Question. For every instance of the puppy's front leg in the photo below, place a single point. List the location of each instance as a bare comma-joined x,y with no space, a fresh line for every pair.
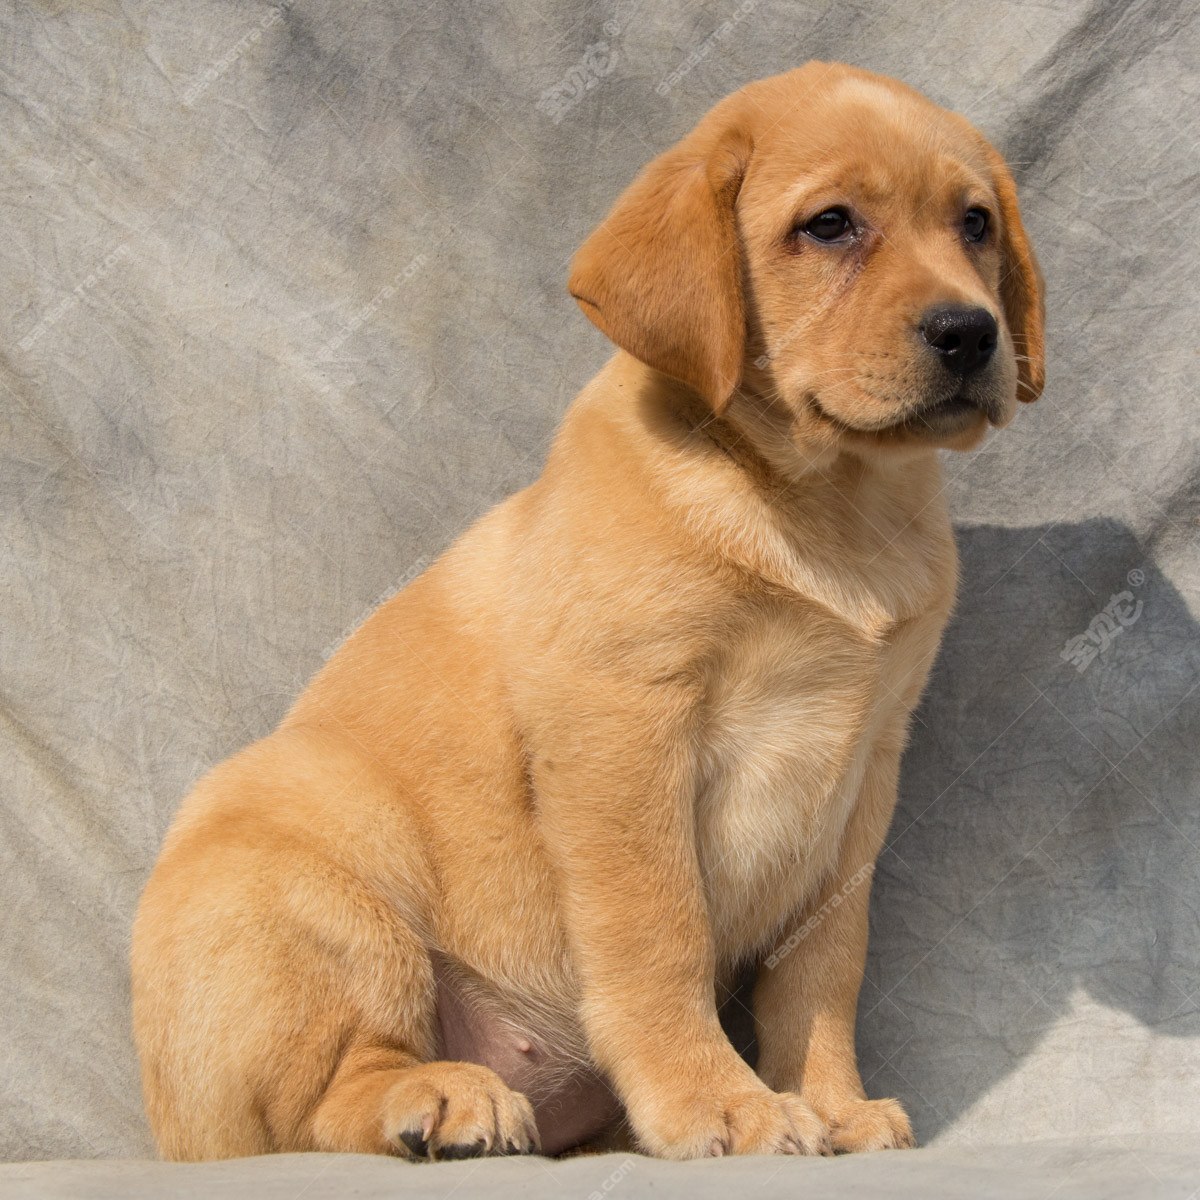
615,794
806,994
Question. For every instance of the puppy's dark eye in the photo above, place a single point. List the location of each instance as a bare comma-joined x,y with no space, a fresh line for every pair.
975,223
832,225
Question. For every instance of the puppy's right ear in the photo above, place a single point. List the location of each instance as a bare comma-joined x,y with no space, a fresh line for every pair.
1021,285
662,275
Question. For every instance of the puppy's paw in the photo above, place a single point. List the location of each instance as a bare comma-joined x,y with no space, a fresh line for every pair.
448,1110
870,1125
744,1121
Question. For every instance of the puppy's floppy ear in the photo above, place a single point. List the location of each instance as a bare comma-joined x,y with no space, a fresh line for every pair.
662,275
1020,286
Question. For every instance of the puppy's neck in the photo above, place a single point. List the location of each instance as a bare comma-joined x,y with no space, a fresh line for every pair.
802,453
778,451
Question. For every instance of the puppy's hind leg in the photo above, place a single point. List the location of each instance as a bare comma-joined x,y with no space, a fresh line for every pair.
284,996
384,1100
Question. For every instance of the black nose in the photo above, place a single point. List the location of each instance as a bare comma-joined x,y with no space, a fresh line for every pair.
964,337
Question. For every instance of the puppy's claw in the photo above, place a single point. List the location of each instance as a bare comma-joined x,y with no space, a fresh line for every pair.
417,1145
449,1111
463,1150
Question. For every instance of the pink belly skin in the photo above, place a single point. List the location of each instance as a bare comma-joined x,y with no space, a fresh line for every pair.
571,1103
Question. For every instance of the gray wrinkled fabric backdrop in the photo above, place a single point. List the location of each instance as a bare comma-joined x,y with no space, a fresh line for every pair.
284,310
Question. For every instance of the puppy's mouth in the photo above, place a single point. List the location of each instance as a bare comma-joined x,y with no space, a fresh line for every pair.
943,417
933,419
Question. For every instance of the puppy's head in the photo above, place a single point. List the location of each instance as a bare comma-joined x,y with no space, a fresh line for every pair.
832,242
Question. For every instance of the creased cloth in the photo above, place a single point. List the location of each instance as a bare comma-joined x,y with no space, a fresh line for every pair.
284,310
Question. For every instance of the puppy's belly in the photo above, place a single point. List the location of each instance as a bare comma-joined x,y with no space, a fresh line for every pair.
571,1101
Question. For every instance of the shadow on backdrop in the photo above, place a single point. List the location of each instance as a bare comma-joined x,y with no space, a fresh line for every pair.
1045,842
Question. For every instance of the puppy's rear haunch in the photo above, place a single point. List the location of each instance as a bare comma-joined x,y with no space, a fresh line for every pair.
643,721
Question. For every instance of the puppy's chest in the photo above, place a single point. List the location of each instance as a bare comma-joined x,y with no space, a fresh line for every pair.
794,709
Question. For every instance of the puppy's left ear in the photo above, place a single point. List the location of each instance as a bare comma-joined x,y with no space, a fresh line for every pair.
662,275
1021,286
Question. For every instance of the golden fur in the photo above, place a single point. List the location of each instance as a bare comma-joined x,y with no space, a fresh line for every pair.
641,723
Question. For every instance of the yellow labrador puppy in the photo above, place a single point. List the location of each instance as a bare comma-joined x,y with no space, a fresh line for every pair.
641,723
